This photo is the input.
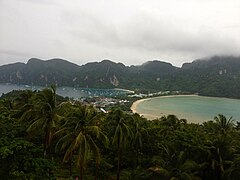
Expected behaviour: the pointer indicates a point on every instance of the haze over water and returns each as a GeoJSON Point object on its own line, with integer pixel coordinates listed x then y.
{"type": "Point", "coordinates": [196, 109]}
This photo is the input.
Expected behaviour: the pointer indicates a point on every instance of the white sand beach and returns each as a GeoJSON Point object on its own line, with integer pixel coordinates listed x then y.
{"type": "Point", "coordinates": [135, 104]}
{"type": "Point", "coordinates": [153, 116]}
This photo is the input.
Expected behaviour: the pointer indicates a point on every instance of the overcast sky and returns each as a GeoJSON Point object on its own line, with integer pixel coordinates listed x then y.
{"type": "Point", "coordinates": [127, 31]}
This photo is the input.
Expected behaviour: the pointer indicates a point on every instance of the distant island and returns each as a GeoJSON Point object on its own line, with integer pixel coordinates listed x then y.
{"type": "Point", "coordinates": [216, 76]}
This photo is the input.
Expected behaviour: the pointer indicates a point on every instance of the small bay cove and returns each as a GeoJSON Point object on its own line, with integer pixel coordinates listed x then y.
{"type": "Point", "coordinates": [196, 109]}
{"type": "Point", "coordinates": [71, 92]}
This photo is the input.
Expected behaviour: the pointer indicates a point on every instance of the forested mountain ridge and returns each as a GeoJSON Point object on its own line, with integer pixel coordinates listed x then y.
{"type": "Point", "coordinates": [216, 76]}
{"type": "Point", "coordinates": [38, 72]}
{"type": "Point", "coordinates": [105, 74]}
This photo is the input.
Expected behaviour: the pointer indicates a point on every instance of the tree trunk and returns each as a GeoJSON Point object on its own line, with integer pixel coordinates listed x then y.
{"type": "Point", "coordinates": [70, 167]}
{"type": "Point", "coordinates": [81, 173]}
{"type": "Point", "coordinates": [96, 175]}
{"type": "Point", "coordinates": [137, 158]}
{"type": "Point", "coordinates": [119, 158]}
{"type": "Point", "coordinates": [45, 146]}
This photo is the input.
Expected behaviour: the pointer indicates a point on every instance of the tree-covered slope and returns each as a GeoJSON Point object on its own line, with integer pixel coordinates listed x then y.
{"type": "Point", "coordinates": [42, 137]}
{"type": "Point", "coordinates": [216, 76]}
{"type": "Point", "coordinates": [104, 74]}
{"type": "Point", "coordinates": [39, 72]}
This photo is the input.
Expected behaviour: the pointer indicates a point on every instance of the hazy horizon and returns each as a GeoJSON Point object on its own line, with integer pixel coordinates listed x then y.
{"type": "Point", "coordinates": [131, 32]}
{"type": "Point", "coordinates": [203, 58]}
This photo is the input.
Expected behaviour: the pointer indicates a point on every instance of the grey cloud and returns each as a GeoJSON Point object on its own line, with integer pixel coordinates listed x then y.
{"type": "Point", "coordinates": [14, 53]}
{"type": "Point", "coordinates": [43, 2]}
{"type": "Point", "coordinates": [156, 35]}
{"type": "Point", "coordinates": [7, 56]}
{"type": "Point", "coordinates": [126, 31]}
{"type": "Point", "coordinates": [146, 33]}
{"type": "Point", "coordinates": [87, 27]}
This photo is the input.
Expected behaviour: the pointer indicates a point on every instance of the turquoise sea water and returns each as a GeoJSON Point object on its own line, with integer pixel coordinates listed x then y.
{"type": "Point", "coordinates": [195, 109]}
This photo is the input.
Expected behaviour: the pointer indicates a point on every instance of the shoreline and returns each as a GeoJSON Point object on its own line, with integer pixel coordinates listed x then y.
{"type": "Point", "coordinates": [135, 103]}
{"type": "Point", "coordinates": [151, 116]}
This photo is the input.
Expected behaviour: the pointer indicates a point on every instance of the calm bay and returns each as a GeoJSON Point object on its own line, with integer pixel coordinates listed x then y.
{"type": "Point", "coordinates": [196, 109]}
{"type": "Point", "coordinates": [71, 92]}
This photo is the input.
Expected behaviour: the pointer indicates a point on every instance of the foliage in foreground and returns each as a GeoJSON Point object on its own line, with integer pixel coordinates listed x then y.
{"type": "Point", "coordinates": [42, 138]}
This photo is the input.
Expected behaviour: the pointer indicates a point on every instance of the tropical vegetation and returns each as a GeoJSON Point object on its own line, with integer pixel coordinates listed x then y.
{"type": "Point", "coordinates": [43, 136]}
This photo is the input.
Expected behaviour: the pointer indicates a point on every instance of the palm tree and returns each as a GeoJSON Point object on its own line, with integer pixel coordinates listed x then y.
{"type": "Point", "coordinates": [221, 150]}
{"type": "Point", "coordinates": [170, 124]}
{"type": "Point", "coordinates": [178, 165]}
{"type": "Point", "coordinates": [138, 132]}
{"type": "Point", "coordinates": [23, 98]}
{"type": "Point", "coordinates": [220, 157]}
{"type": "Point", "coordinates": [43, 115]}
{"type": "Point", "coordinates": [224, 124]}
{"type": "Point", "coordinates": [79, 134]}
{"type": "Point", "coordinates": [5, 107]}
{"type": "Point", "coordinates": [117, 120]}
{"type": "Point", "coordinates": [234, 171]}
{"type": "Point", "coordinates": [23, 103]}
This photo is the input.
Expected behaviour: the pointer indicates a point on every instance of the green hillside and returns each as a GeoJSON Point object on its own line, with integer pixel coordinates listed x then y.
{"type": "Point", "coordinates": [216, 76]}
